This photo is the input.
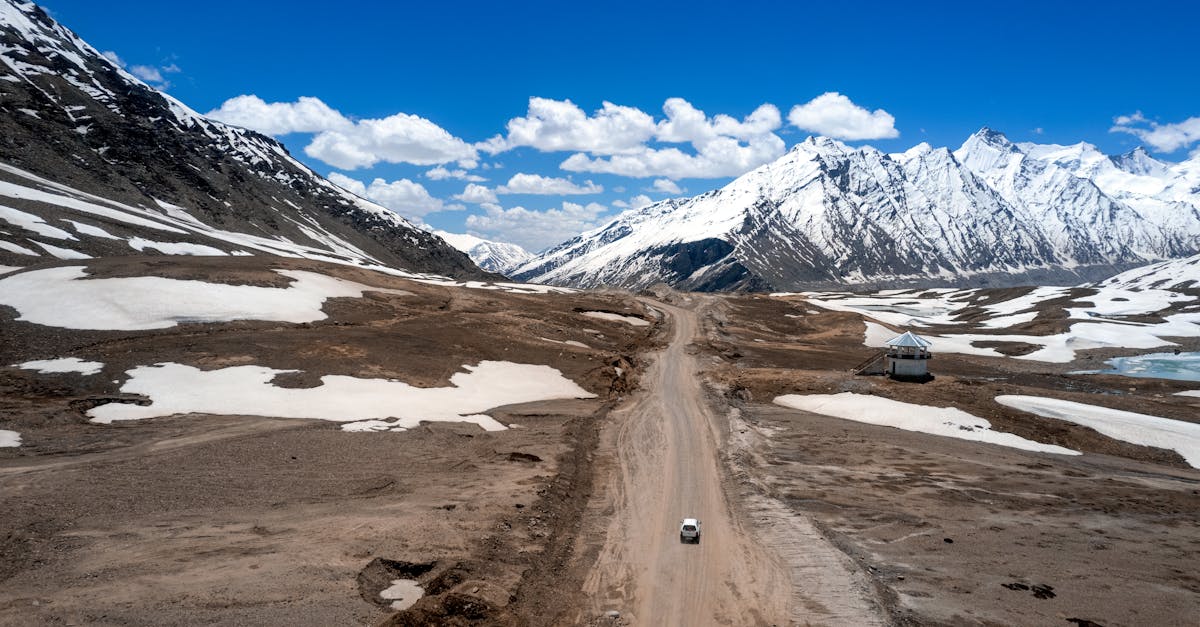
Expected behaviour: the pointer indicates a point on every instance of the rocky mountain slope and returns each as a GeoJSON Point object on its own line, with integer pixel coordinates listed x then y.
{"type": "Point", "coordinates": [992, 213]}
{"type": "Point", "coordinates": [95, 163]}
{"type": "Point", "coordinates": [491, 256]}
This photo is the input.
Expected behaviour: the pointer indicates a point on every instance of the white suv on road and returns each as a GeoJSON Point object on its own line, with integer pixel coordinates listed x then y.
{"type": "Point", "coordinates": [689, 530]}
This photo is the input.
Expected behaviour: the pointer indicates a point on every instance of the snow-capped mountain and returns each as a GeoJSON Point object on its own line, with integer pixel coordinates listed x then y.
{"type": "Point", "coordinates": [491, 256]}
{"type": "Point", "coordinates": [93, 162]}
{"type": "Point", "coordinates": [826, 215]}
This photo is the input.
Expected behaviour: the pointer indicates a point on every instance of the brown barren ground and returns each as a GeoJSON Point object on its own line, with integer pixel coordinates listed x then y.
{"type": "Point", "coordinates": [237, 520]}
{"type": "Point", "coordinates": [953, 532]}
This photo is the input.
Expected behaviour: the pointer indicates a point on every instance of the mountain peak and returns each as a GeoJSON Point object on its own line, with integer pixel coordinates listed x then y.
{"type": "Point", "coordinates": [821, 143]}
{"type": "Point", "coordinates": [991, 137]}
{"type": "Point", "coordinates": [1139, 161]}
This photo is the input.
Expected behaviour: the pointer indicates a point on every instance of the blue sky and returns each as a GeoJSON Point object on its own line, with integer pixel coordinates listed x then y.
{"type": "Point", "coordinates": [403, 89]}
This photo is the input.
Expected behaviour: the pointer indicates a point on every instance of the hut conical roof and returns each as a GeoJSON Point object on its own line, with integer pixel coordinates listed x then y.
{"type": "Point", "coordinates": [909, 339]}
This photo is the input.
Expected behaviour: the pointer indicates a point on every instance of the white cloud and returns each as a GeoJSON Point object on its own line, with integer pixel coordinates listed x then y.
{"type": "Point", "coordinates": [637, 202]}
{"type": "Point", "coordinates": [667, 186]}
{"type": "Point", "coordinates": [724, 156]}
{"type": "Point", "coordinates": [476, 194]}
{"type": "Point", "coordinates": [1163, 137]}
{"type": "Point", "coordinates": [112, 56]}
{"type": "Point", "coordinates": [536, 230]}
{"type": "Point", "coordinates": [560, 125]}
{"type": "Point", "coordinates": [522, 183]}
{"type": "Point", "coordinates": [441, 173]}
{"type": "Point", "coordinates": [617, 139]}
{"type": "Point", "coordinates": [686, 123]}
{"type": "Point", "coordinates": [148, 73]}
{"type": "Point", "coordinates": [834, 115]}
{"type": "Point", "coordinates": [399, 138]}
{"type": "Point", "coordinates": [306, 115]}
{"type": "Point", "coordinates": [405, 197]}
{"type": "Point", "coordinates": [1124, 120]}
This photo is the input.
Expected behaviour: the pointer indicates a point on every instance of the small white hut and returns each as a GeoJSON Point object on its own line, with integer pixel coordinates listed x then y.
{"type": "Point", "coordinates": [908, 356]}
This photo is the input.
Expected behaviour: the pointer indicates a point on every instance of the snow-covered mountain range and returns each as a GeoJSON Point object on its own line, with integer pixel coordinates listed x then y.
{"type": "Point", "coordinates": [93, 162]}
{"type": "Point", "coordinates": [492, 256]}
{"type": "Point", "coordinates": [826, 215]}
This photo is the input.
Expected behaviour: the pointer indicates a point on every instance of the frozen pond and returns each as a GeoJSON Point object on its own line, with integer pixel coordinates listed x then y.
{"type": "Point", "coordinates": [1181, 367]}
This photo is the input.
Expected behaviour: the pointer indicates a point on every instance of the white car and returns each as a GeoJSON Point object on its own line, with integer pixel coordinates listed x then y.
{"type": "Point", "coordinates": [689, 530]}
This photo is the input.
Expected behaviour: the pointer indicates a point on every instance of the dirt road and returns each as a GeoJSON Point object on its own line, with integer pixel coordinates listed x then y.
{"type": "Point", "coordinates": [668, 468]}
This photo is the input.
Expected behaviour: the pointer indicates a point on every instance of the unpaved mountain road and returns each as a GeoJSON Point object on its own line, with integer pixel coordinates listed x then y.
{"type": "Point", "coordinates": [665, 444]}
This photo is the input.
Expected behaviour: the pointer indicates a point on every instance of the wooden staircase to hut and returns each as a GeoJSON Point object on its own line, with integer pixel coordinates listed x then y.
{"type": "Point", "coordinates": [872, 365]}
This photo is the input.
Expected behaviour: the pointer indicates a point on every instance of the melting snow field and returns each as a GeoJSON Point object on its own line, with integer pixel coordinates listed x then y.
{"type": "Point", "coordinates": [9, 438]}
{"type": "Point", "coordinates": [8, 269]}
{"type": "Point", "coordinates": [1059, 348]}
{"type": "Point", "coordinates": [364, 404]}
{"type": "Point", "coordinates": [944, 421]}
{"type": "Point", "coordinates": [612, 317]}
{"type": "Point", "coordinates": [1181, 437]}
{"type": "Point", "coordinates": [65, 364]}
{"type": "Point", "coordinates": [403, 593]}
{"type": "Point", "coordinates": [139, 303]}
{"type": "Point", "coordinates": [1100, 326]}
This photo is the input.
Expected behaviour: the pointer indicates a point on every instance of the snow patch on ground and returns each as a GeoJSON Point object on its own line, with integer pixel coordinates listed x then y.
{"type": "Point", "coordinates": [943, 421]}
{"type": "Point", "coordinates": [1142, 429]}
{"type": "Point", "coordinates": [139, 303]}
{"type": "Point", "coordinates": [895, 308]}
{"type": "Point", "coordinates": [92, 230]}
{"type": "Point", "coordinates": [9, 269]}
{"type": "Point", "coordinates": [64, 364]}
{"type": "Point", "coordinates": [176, 248]}
{"type": "Point", "coordinates": [9, 438]}
{"type": "Point", "coordinates": [1059, 348]}
{"type": "Point", "coordinates": [574, 343]}
{"type": "Point", "coordinates": [30, 222]}
{"type": "Point", "coordinates": [612, 317]}
{"type": "Point", "coordinates": [364, 404]}
{"type": "Point", "coordinates": [60, 252]}
{"type": "Point", "coordinates": [1116, 301]}
{"type": "Point", "coordinates": [403, 593]}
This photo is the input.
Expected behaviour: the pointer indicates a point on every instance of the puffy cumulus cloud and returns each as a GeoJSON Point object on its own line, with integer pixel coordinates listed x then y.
{"type": "Point", "coordinates": [405, 197]}
{"type": "Point", "coordinates": [306, 115]}
{"type": "Point", "coordinates": [536, 230]}
{"type": "Point", "coordinates": [442, 173]}
{"type": "Point", "coordinates": [348, 145]}
{"type": "Point", "coordinates": [637, 202]}
{"type": "Point", "coordinates": [834, 115]}
{"type": "Point", "coordinates": [721, 157]}
{"type": "Point", "coordinates": [686, 123]}
{"type": "Point", "coordinates": [399, 138]}
{"type": "Point", "coordinates": [618, 139]}
{"type": "Point", "coordinates": [560, 125]}
{"type": "Point", "coordinates": [1163, 137]}
{"type": "Point", "coordinates": [522, 183]}
{"type": "Point", "coordinates": [666, 186]}
{"type": "Point", "coordinates": [477, 194]}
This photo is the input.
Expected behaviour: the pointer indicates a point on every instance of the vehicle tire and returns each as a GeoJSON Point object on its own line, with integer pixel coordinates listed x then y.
{"type": "Point", "coordinates": [682, 540]}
